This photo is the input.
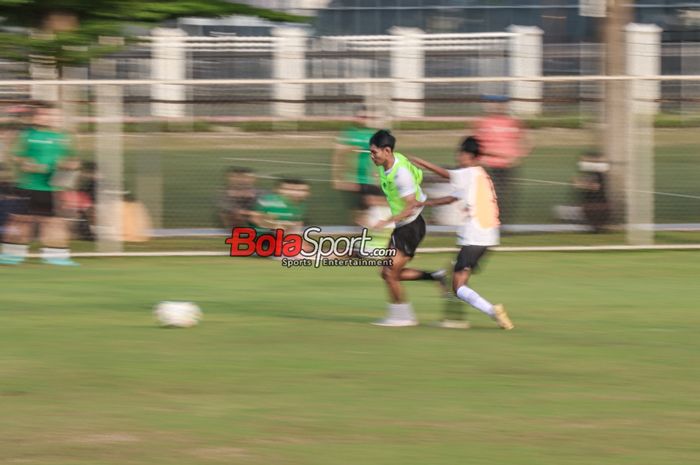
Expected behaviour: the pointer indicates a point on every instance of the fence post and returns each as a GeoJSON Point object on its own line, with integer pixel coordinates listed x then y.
{"type": "Point", "coordinates": [643, 59]}
{"type": "Point", "coordinates": [108, 154]}
{"type": "Point", "coordinates": [289, 63]}
{"type": "Point", "coordinates": [526, 61]}
{"type": "Point", "coordinates": [72, 97]}
{"type": "Point", "coordinates": [407, 62]}
{"type": "Point", "coordinates": [168, 62]}
{"type": "Point", "coordinates": [43, 67]}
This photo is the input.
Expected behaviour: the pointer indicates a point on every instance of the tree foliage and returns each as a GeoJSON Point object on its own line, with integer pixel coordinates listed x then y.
{"type": "Point", "coordinates": [100, 18]}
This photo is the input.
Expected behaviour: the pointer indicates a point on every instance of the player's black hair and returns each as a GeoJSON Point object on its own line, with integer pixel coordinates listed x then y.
{"type": "Point", "coordinates": [470, 145]}
{"type": "Point", "coordinates": [382, 139]}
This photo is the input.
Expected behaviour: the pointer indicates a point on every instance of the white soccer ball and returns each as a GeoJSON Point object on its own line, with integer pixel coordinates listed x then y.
{"type": "Point", "coordinates": [177, 314]}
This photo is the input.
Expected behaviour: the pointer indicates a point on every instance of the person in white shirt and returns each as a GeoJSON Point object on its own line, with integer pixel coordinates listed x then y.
{"type": "Point", "coordinates": [473, 187]}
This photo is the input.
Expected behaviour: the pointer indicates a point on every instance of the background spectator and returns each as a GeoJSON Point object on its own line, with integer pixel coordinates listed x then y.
{"type": "Point", "coordinates": [352, 165]}
{"type": "Point", "coordinates": [45, 160]}
{"type": "Point", "coordinates": [238, 199]}
{"type": "Point", "coordinates": [79, 205]}
{"type": "Point", "coordinates": [591, 187]}
{"type": "Point", "coordinates": [504, 143]}
{"type": "Point", "coordinates": [284, 209]}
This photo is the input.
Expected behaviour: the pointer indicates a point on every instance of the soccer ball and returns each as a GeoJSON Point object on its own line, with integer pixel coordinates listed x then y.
{"type": "Point", "coordinates": [177, 314]}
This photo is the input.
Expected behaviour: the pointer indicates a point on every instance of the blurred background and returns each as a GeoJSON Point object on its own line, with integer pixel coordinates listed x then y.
{"type": "Point", "coordinates": [185, 113]}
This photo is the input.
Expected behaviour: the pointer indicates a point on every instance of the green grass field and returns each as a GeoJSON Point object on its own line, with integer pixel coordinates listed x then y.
{"type": "Point", "coordinates": [601, 369]}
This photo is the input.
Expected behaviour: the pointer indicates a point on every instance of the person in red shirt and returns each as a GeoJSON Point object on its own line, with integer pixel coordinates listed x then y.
{"type": "Point", "coordinates": [504, 143]}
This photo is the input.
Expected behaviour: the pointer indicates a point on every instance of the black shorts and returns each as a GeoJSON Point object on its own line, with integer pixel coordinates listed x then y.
{"type": "Point", "coordinates": [406, 238]}
{"type": "Point", "coordinates": [469, 256]}
{"type": "Point", "coordinates": [36, 203]}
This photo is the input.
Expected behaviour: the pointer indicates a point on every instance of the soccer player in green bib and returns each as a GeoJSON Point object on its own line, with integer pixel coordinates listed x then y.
{"type": "Point", "coordinates": [400, 181]}
{"type": "Point", "coordinates": [42, 151]}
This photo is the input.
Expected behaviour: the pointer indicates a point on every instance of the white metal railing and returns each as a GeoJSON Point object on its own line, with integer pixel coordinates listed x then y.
{"type": "Point", "coordinates": [388, 80]}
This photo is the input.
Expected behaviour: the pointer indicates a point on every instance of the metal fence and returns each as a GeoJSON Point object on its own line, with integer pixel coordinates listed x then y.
{"type": "Point", "coordinates": [176, 56]}
{"type": "Point", "coordinates": [178, 173]}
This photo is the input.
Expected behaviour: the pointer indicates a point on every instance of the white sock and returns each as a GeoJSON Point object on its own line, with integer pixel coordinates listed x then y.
{"type": "Point", "coordinates": [15, 250]}
{"type": "Point", "coordinates": [48, 253]}
{"type": "Point", "coordinates": [408, 311]}
{"type": "Point", "coordinates": [471, 297]}
{"type": "Point", "coordinates": [401, 312]}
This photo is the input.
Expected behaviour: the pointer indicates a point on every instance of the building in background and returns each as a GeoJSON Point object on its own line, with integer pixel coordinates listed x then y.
{"type": "Point", "coordinates": [559, 19]}
{"type": "Point", "coordinates": [296, 7]}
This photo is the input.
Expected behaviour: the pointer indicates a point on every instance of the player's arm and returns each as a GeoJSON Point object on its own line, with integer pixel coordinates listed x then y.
{"type": "Point", "coordinates": [457, 182]}
{"type": "Point", "coordinates": [70, 164]}
{"type": "Point", "coordinates": [407, 188]}
{"type": "Point", "coordinates": [438, 201]}
{"type": "Point", "coordinates": [439, 170]}
{"type": "Point", "coordinates": [410, 205]}
{"type": "Point", "coordinates": [22, 159]}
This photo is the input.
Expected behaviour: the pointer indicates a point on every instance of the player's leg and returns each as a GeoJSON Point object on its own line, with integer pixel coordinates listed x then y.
{"type": "Point", "coordinates": [392, 277]}
{"type": "Point", "coordinates": [469, 295]}
{"type": "Point", "coordinates": [404, 240]}
{"type": "Point", "coordinates": [15, 245]}
{"type": "Point", "coordinates": [54, 235]}
{"type": "Point", "coordinates": [440, 276]}
{"type": "Point", "coordinates": [467, 261]}
{"type": "Point", "coordinates": [411, 238]}
{"type": "Point", "coordinates": [18, 231]}
{"type": "Point", "coordinates": [399, 313]}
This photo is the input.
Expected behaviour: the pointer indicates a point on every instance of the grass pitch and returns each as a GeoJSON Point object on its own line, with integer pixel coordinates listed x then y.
{"type": "Point", "coordinates": [601, 369]}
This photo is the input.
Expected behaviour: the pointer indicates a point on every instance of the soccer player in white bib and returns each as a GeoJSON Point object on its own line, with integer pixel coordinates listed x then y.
{"type": "Point", "coordinates": [471, 186]}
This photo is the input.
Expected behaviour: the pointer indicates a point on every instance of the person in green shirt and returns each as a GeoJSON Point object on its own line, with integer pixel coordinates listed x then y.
{"type": "Point", "coordinates": [284, 209]}
{"type": "Point", "coordinates": [401, 182]}
{"type": "Point", "coordinates": [353, 145]}
{"type": "Point", "coordinates": [43, 157]}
